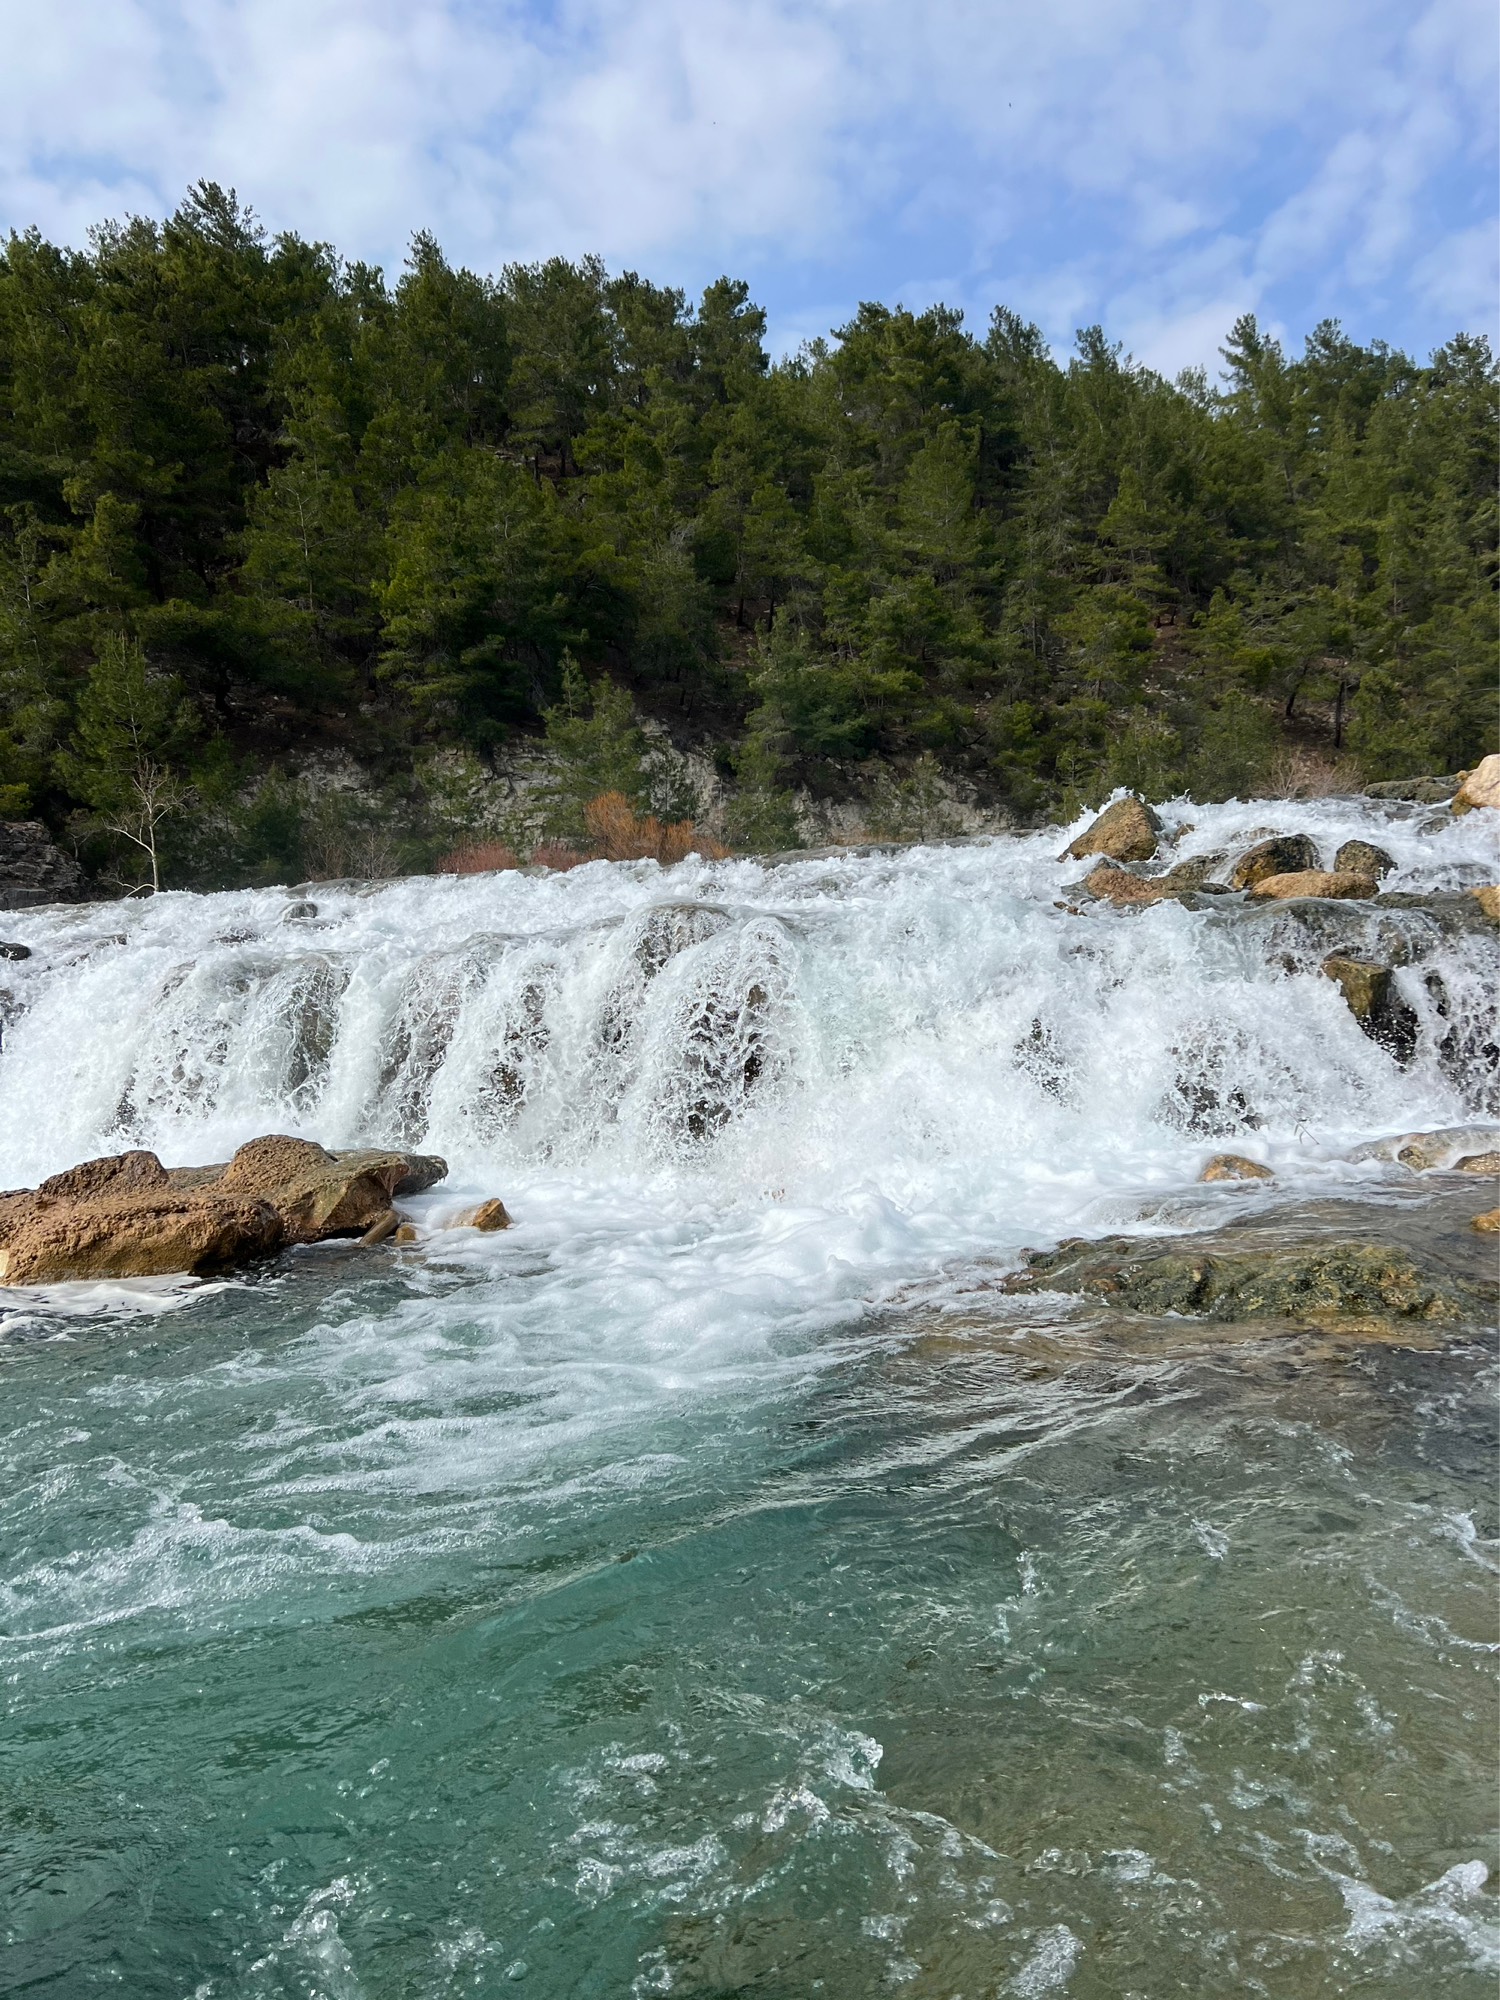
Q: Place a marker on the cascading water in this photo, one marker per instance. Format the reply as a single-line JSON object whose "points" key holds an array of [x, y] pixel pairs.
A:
{"points": [[655, 1598]]}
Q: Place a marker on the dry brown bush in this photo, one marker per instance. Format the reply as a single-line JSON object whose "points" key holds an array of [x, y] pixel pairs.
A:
{"points": [[1301, 772], [620, 833], [557, 855], [477, 857]]}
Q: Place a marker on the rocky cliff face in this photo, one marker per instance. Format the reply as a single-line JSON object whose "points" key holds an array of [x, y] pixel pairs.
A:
{"points": [[32, 868]]}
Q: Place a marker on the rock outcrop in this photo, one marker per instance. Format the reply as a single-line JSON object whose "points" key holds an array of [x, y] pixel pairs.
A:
{"points": [[127, 1216], [1481, 787], [1282, 854], [33, 869], [1126, 831], [1313, 882], [1371, 994], [1363, 857]]}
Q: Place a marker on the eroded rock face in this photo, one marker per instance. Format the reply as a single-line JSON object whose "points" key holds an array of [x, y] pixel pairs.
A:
{"points": [[320, 1194], [1480, 788], [1333, 882], [1321, 1284], [33, 869], [1282, 854], [128, 1216], [1363, 857], [1126, 831]]}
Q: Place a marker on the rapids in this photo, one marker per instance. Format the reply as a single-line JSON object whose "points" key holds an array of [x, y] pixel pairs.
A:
{"points": [[651, 1599]]}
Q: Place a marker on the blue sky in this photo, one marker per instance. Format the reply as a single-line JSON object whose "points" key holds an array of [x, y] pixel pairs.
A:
{"points": [[1158, 165]]}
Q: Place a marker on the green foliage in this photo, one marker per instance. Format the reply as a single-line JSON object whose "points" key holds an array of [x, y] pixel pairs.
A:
{"points": [[378, 519]]}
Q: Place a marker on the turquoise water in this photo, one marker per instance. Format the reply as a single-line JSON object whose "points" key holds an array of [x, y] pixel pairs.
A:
{"points": [[688, 1590], [375, 1632]]}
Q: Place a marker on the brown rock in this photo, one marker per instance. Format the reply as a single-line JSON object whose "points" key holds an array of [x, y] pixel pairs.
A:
{"points": [[1488, 899], [1313, 882], [1363, 857], [1481, 787], [1488, 1223], [489, 1216], [1235, 1167], [1282, 854], [1110, 884], [149, 1233], [382, 1227], [1125, 831], [320, 1194], [116, 1174], [1478, 1163]]}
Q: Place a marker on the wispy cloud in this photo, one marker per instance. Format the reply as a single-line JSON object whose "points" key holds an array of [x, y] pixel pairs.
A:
{"points": [[1157, 164]]}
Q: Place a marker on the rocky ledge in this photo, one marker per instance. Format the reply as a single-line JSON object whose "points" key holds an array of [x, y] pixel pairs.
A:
{"points": [[128, 1216]]}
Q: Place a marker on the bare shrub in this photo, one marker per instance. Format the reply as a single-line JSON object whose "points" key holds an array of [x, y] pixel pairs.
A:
{"points": [[477, 857], [558, 856], [1299, 772], [620, 833]]}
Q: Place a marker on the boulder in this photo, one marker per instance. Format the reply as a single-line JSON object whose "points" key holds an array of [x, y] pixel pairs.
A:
{"points": [[128, 1230], [1194, 874], [1371, 994], [33, 869], [1478, 1163], [488, 1216], [1488, 899], [127, 1216], [1109, 884], [1363, 857], [1488, 1223], [1480, 787], [1282, 854], [15, 951], [1235, 1167], [1418, 791], [320, 1194], [1126, 831], [1313, 882]]}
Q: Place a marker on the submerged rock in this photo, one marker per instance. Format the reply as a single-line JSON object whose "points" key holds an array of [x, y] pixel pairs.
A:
{"points": [[1488, 899], [1478, 1163], [1110, 884], [1126, 831], [1487, 1224], [1370, 991], [1282, 854], [1363, 857], [1318, 1283], [488, 1217], [1334, 882], [1481, 787], [15, 951], [128, 1216], [1424, 1152], [1235, 1167]]}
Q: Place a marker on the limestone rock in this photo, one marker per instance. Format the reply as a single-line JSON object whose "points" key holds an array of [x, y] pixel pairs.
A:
{"points": [[1478, 1163], [1370, 991], [488, 1216], [1126, 831], [1488, 1223], [1235, 1167], [1363, 857], [1109, 884], [130, 1231], [1488, 899], [320, 1194], [1481, 787], [382, 1227], [32, 869], [1282, 854], [1336, 883]]}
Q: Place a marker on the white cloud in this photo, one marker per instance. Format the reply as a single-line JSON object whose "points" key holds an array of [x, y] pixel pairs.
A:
{"points": [[1148, 162]]}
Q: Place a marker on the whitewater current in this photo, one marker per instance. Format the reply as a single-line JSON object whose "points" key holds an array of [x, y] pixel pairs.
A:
{"points": [[654, 1598]]}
